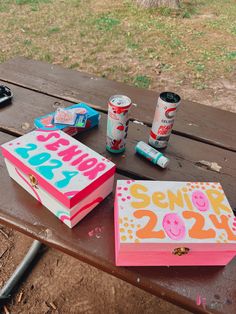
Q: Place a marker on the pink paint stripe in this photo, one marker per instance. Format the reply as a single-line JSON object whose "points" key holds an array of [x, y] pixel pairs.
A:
{"points": [[97, 200], [93, 186], [35, 192], [64, 217]]}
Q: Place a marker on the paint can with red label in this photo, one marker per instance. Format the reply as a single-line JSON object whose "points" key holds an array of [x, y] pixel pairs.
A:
{"points": [[164, 117], [117, 123]]}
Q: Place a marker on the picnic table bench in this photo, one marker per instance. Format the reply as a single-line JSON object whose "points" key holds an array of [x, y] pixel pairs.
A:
{"points": [[200, 133]]}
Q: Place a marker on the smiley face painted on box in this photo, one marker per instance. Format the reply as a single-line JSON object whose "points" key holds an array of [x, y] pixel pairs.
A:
{"points": [[174, 226], [200, 201]]}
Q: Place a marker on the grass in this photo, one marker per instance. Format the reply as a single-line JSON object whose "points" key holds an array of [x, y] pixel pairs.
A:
{"points": [[118, 40]]}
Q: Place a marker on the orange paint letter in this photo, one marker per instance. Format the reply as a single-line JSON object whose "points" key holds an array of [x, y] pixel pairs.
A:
{"points": [[188, 202], [147, 231], [157, 197], [175, 199], [216, 198], [145, 198], [223, 224], [197, 232]]}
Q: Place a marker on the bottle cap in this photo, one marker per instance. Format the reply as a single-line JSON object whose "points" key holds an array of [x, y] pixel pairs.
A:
{"points": [[163, 162]]}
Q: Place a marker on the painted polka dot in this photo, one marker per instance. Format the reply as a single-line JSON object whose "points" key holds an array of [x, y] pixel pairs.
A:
{"points": [[213, 186], [132, 225], [188, 183], [123, 238], [131, 237], [126, 189], [184, 189], [128, 197], [119, 188], [122, 230], [123, 199], [120, 220], [128, 182], [137, 241], [234, 229], [130, 231], [138, 226], [125, 218], [119, 194], [126, 225]]}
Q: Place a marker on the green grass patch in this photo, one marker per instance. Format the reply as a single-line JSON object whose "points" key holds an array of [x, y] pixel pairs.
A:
{"points": [[124, 42], [199, 67], [53, 30], [231, 56], [142, 81], [32, 2], [27, 42], [47, 57], [200, 85], [106, 22]]}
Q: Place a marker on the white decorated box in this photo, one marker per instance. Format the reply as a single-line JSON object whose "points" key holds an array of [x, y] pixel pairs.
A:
{"points": [[63, 174], [169, 223]]}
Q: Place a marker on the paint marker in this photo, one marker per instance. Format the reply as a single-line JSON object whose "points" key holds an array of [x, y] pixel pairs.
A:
{"points": [[151, 154]]}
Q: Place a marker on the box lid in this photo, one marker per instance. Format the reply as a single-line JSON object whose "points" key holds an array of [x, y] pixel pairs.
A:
{"points": [[162, 216], [63, 166]]}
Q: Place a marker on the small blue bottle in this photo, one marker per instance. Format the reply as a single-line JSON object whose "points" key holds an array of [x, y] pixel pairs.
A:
{"points": [[151, 154]]}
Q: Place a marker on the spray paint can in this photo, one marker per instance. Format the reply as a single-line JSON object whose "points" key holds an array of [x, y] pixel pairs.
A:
{"points": [[151, 154], [164, 117], [117, 123]]}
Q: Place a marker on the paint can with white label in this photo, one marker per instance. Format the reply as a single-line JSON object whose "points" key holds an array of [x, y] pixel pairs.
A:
{"points": [[163, 121]]}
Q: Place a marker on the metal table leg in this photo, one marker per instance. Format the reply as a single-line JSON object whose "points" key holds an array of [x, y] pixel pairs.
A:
{"points": [[5, 292]]}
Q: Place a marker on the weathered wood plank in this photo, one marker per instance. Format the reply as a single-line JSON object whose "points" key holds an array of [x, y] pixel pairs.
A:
{"points": [[194, 120], [179, 285]]}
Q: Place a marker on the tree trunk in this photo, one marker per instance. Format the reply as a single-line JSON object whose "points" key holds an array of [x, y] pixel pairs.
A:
{"points": [[158, 3]]}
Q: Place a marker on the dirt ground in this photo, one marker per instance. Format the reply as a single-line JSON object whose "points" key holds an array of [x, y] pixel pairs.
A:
{"points": [[61, 284]]}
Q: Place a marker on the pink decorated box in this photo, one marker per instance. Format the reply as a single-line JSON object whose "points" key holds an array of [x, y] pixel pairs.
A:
{"points": [[173, 223], [63, 174]]}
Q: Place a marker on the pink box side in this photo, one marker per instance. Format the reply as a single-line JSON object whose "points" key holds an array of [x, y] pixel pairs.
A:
{"points": [[168, 259], [117, 231]]}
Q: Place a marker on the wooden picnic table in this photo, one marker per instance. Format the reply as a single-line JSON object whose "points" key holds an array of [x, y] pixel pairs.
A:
{"points": [[200, 133]]}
